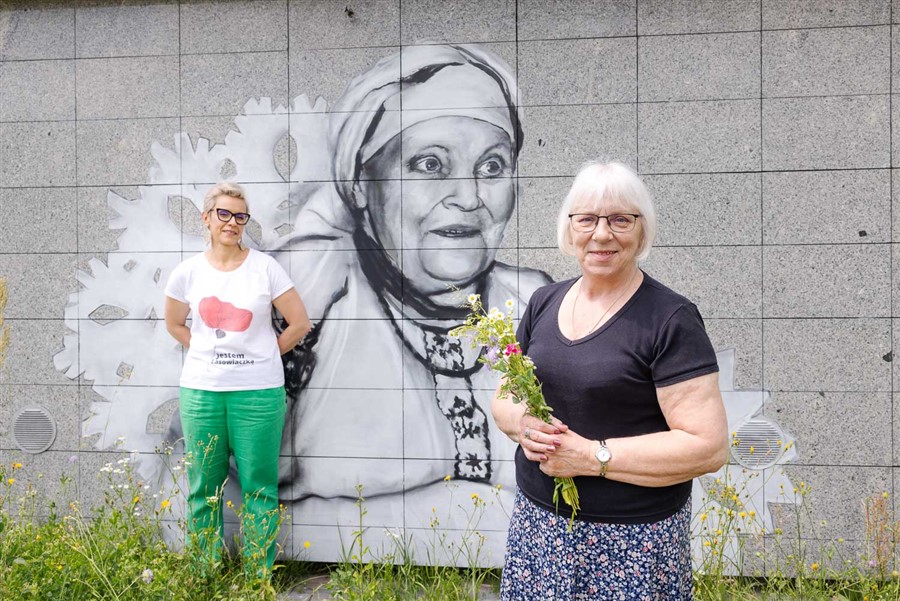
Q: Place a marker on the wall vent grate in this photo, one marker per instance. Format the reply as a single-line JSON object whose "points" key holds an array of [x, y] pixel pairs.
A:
{"points": [[760, 444], [34, 430]]}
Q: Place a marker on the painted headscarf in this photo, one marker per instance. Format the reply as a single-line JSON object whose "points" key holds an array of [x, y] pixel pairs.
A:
{"points": [[415, 85]]}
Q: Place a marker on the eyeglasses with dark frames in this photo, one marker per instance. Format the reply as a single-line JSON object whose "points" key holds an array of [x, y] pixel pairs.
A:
{"points": [[618, 222], [225, 216]]}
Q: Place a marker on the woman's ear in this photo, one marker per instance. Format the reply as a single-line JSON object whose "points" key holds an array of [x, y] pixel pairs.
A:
{"points": [[360, 194]]}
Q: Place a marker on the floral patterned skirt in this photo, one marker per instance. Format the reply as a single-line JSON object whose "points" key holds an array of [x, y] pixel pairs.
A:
{"points": [[595, 561]]}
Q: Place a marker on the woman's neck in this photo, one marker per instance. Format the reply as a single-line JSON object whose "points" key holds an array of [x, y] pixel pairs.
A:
{"points": [[596, 287], [226, 257]]}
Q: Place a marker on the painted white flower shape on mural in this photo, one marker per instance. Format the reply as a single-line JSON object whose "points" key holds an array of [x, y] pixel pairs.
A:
{"points": [[118, 338]]}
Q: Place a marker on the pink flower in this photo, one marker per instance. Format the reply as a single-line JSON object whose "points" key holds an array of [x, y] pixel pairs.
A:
{"points": [[513, 349]]}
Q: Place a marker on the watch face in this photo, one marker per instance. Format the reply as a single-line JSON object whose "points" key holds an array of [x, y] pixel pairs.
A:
{"points": [[603, 455]]}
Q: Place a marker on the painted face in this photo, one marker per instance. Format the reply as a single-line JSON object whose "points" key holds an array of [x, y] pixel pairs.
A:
{"points": [[604, 252], [441, 200], [227, 234]]}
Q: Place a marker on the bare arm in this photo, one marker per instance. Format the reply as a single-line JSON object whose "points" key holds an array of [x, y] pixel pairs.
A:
{"points": [[513, 421], [696, 444], [292, 309], [176, 318]]}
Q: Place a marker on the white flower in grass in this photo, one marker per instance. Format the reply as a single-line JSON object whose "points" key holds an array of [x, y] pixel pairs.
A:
{"points": [[147, 576]]}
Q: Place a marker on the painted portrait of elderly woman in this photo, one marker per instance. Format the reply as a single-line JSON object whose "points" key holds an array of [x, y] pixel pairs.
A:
{"points": [[425, 146]]}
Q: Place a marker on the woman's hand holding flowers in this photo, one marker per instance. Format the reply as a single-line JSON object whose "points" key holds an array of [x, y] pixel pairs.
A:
{"points": [[537, 438]]}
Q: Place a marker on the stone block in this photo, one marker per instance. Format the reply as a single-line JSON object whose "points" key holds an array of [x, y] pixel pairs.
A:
{"points": [[335, 24], [122, 88], [539, 204], [559, 139], [578, 71], [327, 72], [826, 207], [706, 209], [45, 473], [542, 19], [37, 90], [825, 62], [895, 130], [827, 281], [709, 136], [845, 132], [717, 66], [895, 188], [745, 337], [818, 419], [828, 355], [95, 235], [834, 494], [661, 17], [895, 11], [130, 28], [221, 84], [37, 154], [33, 343], [37, 284], [118, 152], [895, 50], [722, 281], [457, 22], [28, 32], [28, 214], [551, 261], [241, 26], [777, 14], [60, 402]]}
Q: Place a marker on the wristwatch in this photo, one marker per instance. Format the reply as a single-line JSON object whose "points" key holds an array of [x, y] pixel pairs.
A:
{"points": [[603, 456]]}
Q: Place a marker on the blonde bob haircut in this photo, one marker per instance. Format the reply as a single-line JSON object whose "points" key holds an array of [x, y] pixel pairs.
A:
{"points": [[613, 182], [222, 189]]}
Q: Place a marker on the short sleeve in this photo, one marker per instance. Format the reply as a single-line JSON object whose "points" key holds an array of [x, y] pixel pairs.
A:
{"points": [[175, 287], [683, 350], [279, 281]]}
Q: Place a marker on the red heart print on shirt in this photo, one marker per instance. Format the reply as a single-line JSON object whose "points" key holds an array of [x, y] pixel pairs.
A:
{"points": [[224, 316]]}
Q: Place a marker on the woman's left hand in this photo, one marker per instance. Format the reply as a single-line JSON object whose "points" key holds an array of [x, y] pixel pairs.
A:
{"points": [[573, 457]]}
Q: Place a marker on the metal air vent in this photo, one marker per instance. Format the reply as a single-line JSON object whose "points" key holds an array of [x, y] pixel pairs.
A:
{"points": [[34, 429], [760, 444]]}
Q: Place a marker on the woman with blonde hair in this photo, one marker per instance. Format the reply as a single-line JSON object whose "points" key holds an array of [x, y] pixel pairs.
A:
{"points": [[232, 382]]}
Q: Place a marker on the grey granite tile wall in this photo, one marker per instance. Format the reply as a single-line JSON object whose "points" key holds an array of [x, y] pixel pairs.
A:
{"points": [[126, 28], [122, 88], [717, 66], [239, 26], [37, 90], [661, 17], [778, 14], [554, 19], [318, 24], [30, 32], [821, 62], [457, 22], [38, 220]]}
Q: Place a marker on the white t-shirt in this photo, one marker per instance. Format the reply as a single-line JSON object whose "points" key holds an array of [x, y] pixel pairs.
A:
{"points": [[233, 343]]}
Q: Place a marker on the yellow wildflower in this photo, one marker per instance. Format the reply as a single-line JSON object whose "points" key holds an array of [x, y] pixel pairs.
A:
{"points": [[17, 466], [165, 504], [229, 504], [11, 481], [306, 544], [814, 566], [447, 478]]}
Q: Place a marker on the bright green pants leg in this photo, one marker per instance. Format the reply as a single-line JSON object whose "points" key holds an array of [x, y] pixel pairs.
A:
{"points": [[247, 424]]}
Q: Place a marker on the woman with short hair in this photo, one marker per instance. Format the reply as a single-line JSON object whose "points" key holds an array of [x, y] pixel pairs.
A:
{"points": [[631, 375], [232, 382]]}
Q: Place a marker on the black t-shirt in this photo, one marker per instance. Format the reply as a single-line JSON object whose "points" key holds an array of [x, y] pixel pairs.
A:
{"points": [[604, 386]]}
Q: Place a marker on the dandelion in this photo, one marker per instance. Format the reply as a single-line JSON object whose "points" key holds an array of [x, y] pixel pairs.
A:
{"points": [[703, 517], [17, 466], [814, 567], [147, 576], [165, 504], [306, 544], [11, 481]]}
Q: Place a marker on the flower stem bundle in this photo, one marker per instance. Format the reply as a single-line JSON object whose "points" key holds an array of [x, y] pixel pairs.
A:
{"points": [[493, 331]]}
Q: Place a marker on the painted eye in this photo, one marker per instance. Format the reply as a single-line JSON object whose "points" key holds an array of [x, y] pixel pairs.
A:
{"points": [[428, 164], [490, 168]]}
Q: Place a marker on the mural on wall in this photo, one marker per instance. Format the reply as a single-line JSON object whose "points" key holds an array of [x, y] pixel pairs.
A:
{"points": [[391, 207]]}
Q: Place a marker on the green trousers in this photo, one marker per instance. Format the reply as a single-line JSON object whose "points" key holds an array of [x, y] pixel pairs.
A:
{"points": [[247, 424]]}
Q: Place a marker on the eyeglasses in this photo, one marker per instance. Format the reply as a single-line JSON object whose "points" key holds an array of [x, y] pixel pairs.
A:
{"points": [[225, 216], [587, 222]]}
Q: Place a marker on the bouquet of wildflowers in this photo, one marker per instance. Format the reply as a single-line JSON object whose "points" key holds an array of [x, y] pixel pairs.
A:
{"points": [[494, 330]]}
